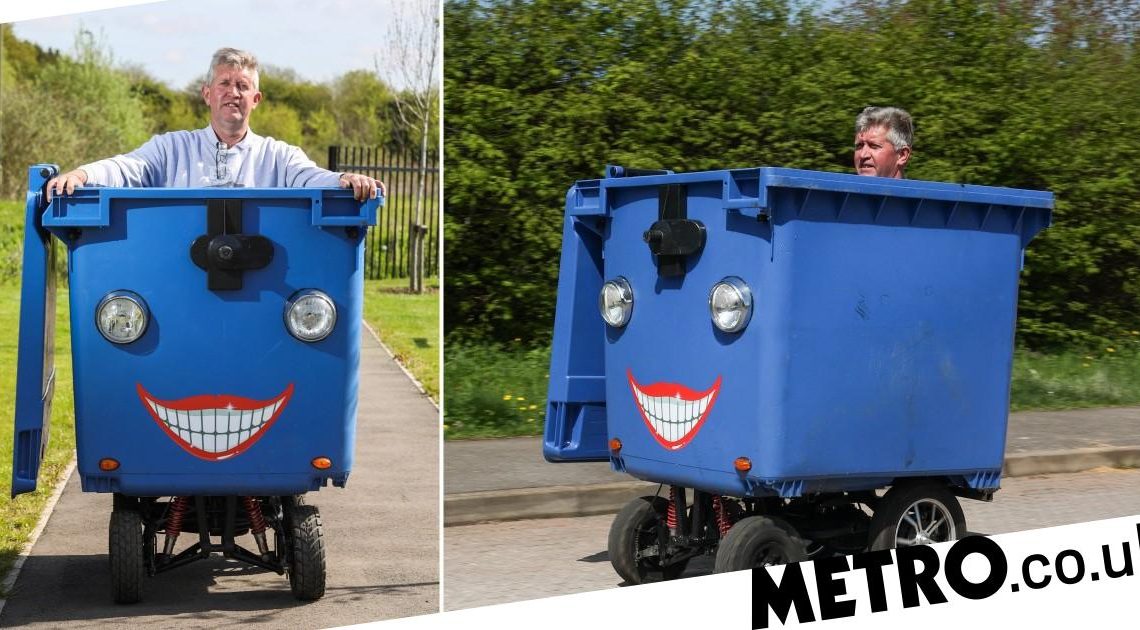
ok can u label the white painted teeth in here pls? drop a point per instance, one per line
(673, 418)
(215, 430)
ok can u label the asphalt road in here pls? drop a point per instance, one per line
(495, 563)
(381, 535)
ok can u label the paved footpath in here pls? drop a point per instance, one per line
(487, 480)
(494, 563)
(381, 534)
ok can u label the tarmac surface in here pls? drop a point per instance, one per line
(381, 534)
(507, 479)
(494, 563)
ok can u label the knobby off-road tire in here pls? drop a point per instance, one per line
(635, 531)
(307, 562)
(125, 547)
(916, 513)
(759, 541)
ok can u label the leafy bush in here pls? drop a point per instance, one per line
(540, 93)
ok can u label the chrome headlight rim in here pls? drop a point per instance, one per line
(744, 296)
(133, 298)
(625, 303)
(295, 299)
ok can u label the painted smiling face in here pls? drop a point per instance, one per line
(215, 428)
(674, 413)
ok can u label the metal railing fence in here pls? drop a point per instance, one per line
(386, 250)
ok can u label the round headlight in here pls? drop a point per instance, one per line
(121, 316)
(310, 315)
(730, 304)
(616, 302)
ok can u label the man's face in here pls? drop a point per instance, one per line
(231, 97)
(875, 155)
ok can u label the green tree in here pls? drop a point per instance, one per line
(164, 109)
(279, 121)
(72, 112)
(284, 87)
(320, 132)
(360, 104)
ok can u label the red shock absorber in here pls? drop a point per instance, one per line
(256, 525)
(671, 513)
(178, 507)
(722, 522)
(256, 518)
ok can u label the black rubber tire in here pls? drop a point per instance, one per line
(925, 497)
(125, 548)
(307, 553)
(635, 529)
(759, 541)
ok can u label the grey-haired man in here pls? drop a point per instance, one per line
(224, 153)
(883, 138)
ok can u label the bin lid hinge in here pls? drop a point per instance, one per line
(223, 252)
(673, 237)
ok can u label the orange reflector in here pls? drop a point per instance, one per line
(107, 464)
(742, 464)
(615, 445)
(322, 463)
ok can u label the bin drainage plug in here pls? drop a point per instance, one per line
(256, 525)
(178, 507)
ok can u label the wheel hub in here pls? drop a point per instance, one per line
(925, 522)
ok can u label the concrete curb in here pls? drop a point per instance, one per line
(1070, 461)
(468, 508)
(549, 502)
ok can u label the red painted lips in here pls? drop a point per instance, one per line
(215, 427)
(674, 413)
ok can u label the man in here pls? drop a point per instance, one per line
(883, 136)
(225, 153)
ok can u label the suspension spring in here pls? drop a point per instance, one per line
(722, 522)
(257, 525)
(178, 507)
(256, 518)
(671, 513)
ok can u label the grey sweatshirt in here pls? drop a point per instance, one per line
(191, 159)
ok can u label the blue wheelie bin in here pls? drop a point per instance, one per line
(776, 347)
(215, 345)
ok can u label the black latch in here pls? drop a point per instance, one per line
(224, 252)
(674, 236)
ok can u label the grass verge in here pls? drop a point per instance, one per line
(1073, 380)
(497, 391)
(408, 324)
(18, 516)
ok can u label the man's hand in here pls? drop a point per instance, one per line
(66, 184)
(363, 187)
